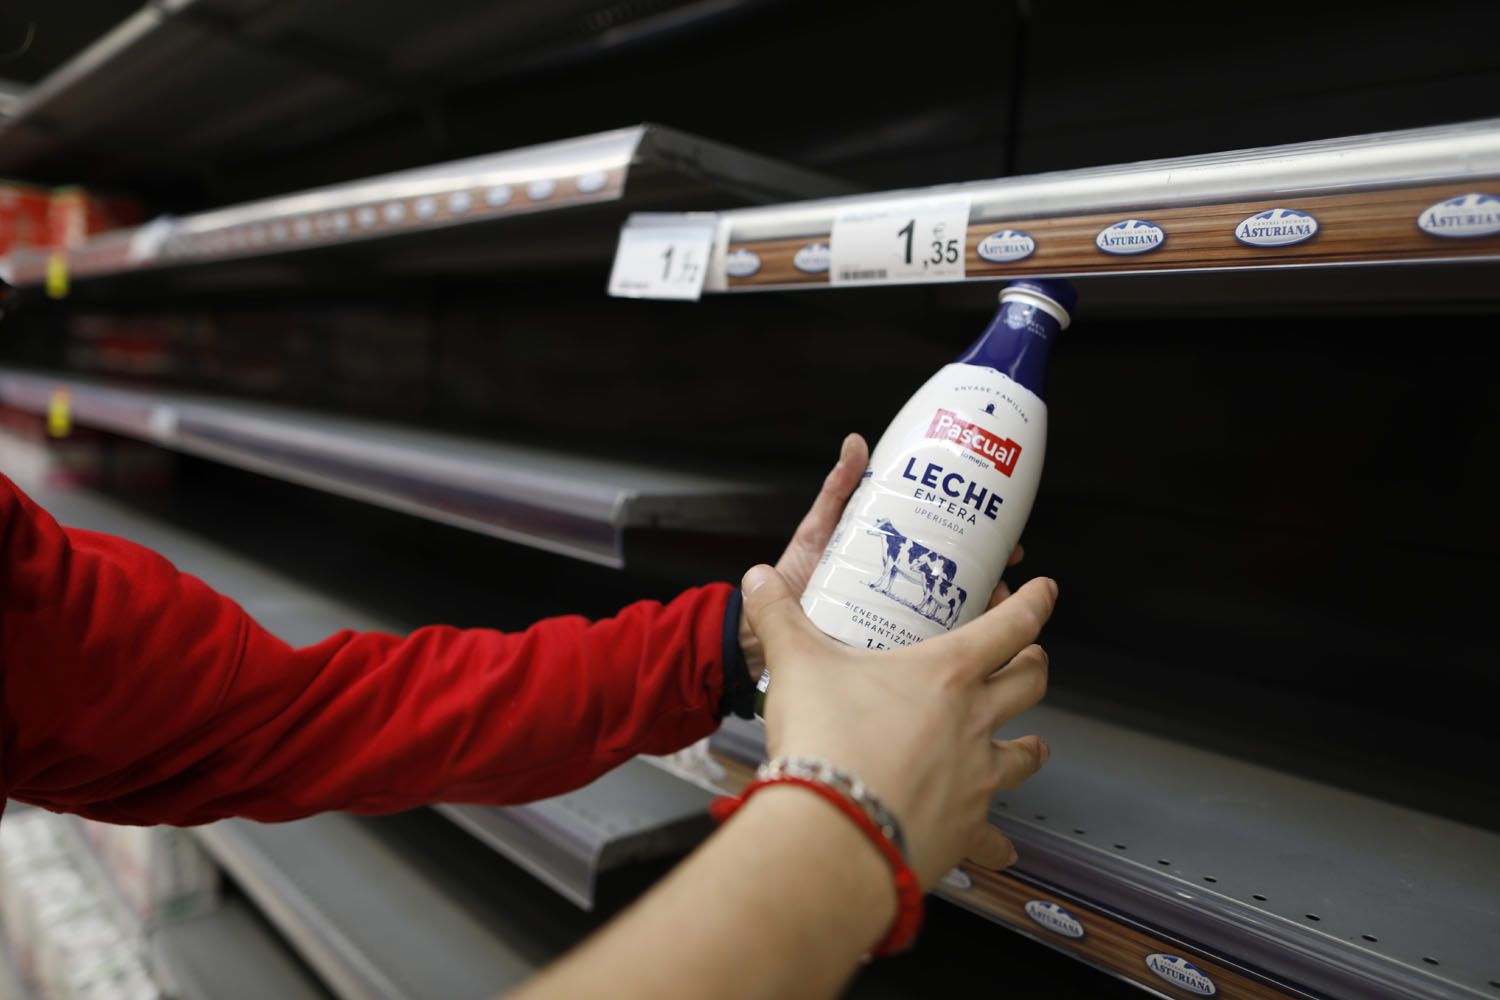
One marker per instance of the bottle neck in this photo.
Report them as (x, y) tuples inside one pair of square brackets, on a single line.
[(1017, 343)]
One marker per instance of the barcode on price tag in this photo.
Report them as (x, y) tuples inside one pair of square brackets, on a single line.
[(662, 256), (894, 242)]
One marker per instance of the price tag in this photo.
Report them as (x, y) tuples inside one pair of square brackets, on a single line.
[(147, 241), (663, 256), (57, 275), (59, 413), (893, 242)]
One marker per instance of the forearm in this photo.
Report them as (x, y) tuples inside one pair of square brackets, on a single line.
[(135, 693), (783, 901)]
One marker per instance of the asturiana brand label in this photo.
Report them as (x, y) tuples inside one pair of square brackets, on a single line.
[(1130, 236), (1276, 227), (1054, 918), (814, 258), (958, 879), (592, 181), (1005, 246), (1473, 214), (1181, 973), (741, 263)]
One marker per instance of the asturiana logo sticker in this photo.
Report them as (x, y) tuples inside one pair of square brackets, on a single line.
[(1054, 918), (1473, 214), (1130, 236), (741, 263), (1006, 245), (1181, 973), (1276, 227), (814, 258)]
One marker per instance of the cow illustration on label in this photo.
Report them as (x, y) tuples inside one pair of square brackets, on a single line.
[(937, 597)]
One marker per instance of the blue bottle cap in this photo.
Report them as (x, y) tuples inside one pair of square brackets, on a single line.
[(1053, 289)]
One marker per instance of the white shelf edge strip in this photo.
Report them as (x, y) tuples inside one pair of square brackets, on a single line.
[(1425, 155)]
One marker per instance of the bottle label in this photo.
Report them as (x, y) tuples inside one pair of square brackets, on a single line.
[(926, 536)]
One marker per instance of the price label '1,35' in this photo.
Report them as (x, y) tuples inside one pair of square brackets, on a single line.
[(915, 239), (662, 256)]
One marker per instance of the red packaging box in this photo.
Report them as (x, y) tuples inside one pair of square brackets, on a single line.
[(24, 214), (76, 214)]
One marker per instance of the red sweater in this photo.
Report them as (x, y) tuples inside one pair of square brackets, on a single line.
[(134, 693)]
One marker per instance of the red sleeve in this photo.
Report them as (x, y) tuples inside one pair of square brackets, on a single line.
[(135, 693)]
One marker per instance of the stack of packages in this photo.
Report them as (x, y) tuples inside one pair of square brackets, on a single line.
[(160, 870), (46, 219), (69, 937)]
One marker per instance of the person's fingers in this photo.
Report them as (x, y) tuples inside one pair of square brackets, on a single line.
[(991, 848), (1016, 555), (1017, 687), (984, 644), (1019, 759), (838, 485), (1000, 593), (773, 611)]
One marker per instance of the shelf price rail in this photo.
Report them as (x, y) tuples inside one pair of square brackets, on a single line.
[(639, 164), (1422, 195)]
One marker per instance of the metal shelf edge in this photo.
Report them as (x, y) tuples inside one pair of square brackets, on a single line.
[(478, 487)]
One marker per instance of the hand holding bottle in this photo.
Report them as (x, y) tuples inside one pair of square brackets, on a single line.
[(802, 553), (913, 723)]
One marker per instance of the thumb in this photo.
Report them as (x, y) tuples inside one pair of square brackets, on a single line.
[(773, 610)]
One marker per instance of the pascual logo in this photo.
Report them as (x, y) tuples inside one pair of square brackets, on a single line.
[(1276, 227), (1006, 245), (1130, 236), (1181, 973), (1472, 214), (1001, 452), (741, 263), (814, 258), (1054, 918)]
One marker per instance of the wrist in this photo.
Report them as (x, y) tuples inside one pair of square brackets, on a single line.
[(864, 814), (737, 695), (754, 654), (854, 877)]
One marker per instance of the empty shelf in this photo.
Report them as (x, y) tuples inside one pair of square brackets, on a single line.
[(439, 219), (1147, 843), (636, 812), (371, 921), (572, 505), (229, 954)]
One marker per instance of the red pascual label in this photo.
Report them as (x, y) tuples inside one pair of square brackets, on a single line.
[(1002, 452)]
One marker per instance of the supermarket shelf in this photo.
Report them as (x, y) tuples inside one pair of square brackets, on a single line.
[(575, 506), (1309, 886), (1363, 200), (634, 813), (370, 921), (229, 954), (438, 219), (185, 84)]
